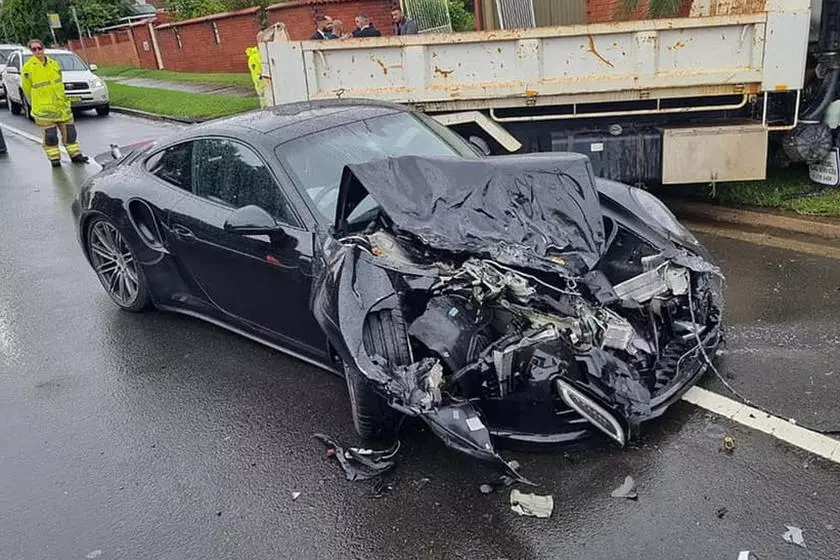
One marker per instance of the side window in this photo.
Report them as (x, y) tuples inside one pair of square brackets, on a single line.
[(230, 173), (173, 165), (16, 62)]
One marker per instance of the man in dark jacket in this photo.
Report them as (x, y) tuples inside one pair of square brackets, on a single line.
[(365, 28), (402, 24), (323, 28)]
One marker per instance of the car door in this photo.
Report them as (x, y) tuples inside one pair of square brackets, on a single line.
[(258, 282), (11, 79)]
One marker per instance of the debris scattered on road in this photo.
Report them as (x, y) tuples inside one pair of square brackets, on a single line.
[(485, 489), (721, 512), (295, 496), (715, 431), (745, 555), (419, 484), (793, 535), (626, 490), (728, 445), (382, 487), (93, 554), (531, 505), (359, 463)]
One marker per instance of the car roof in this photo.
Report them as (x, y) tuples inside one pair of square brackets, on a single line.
[(282, 123)]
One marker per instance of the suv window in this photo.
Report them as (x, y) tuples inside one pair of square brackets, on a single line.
[(173, 165), (230, 173), (14, 62)]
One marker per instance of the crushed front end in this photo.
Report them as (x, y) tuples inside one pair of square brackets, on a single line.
[(513, 341)]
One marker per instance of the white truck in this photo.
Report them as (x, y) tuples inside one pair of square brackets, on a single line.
[(683, 100)]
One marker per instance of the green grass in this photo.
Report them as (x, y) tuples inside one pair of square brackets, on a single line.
[(785, 189), (235, 80), (178, 103)]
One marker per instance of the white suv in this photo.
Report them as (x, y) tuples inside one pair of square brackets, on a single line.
[(84, 89), (5, 52)]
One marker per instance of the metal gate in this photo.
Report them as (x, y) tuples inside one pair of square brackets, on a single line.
[(432, 16), (516, 14)]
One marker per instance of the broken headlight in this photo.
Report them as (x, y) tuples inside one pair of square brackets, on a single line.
[(661, 216)]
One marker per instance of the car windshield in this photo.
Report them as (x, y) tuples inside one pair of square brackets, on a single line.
[(317, 161), (4, 55), (67, 61)]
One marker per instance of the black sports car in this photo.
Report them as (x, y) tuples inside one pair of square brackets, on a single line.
[(513, 297)]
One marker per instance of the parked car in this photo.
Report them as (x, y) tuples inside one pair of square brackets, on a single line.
[(5, 52), (84, 89), (509, 298)]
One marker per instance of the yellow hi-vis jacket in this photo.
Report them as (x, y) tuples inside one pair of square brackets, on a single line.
[(255, 66), (43, 86)]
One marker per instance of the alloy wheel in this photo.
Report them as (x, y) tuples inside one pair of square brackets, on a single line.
[(114, 263)]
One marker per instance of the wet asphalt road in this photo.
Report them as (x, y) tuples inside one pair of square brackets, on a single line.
[(160, 437)]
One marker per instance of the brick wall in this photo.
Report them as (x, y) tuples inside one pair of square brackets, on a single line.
[(145, 48), (600, 11), (299, 17), (214, 43), (114, 48)]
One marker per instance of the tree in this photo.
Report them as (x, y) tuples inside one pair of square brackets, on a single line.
[(462, 19), (186, 9), (27, 19)]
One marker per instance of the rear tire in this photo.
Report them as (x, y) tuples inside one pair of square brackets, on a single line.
[(115, 263), (384, 335), (103, 110)]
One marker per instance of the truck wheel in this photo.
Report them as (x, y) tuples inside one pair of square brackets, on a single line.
[(103, 110), (384, 335)]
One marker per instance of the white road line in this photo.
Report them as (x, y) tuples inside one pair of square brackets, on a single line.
[(29, 136), (780, 428)]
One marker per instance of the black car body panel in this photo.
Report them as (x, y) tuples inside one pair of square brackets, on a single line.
[(540, 304)]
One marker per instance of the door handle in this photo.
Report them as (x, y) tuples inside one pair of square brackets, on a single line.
[(183, 232)]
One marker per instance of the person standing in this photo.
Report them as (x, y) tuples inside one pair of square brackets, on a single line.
[(43, 85), (402, 24), (323, 28), (365, 28)]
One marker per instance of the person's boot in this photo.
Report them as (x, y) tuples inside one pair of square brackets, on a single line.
[(79, 158), (55, 162)]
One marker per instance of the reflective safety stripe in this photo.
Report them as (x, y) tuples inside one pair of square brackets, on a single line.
[(41, 84), (73, 149), (57, 80)]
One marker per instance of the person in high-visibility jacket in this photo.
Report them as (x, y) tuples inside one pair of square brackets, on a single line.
[(255, 66), (43, 85)]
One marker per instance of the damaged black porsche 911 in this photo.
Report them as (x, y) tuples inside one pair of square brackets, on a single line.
[(514, 298)]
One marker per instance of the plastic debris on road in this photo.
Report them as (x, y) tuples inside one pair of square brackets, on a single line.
[(728, 445), (793, 535), (531, 505), (626, 490), (295, 496), (359, 463), (745, 555)]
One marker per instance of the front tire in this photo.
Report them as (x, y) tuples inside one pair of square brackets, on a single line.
[(115, 264), (27, 110), (103, 110), (385, 335)]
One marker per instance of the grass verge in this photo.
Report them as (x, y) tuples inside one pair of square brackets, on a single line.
[(179, 103), (235, 80), (784, 189)]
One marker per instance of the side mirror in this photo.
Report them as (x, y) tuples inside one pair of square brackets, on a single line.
[(480, 145), (93, 67), (251, 220)]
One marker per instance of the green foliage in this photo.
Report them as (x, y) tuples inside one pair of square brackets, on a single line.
[(27, 19), (186, 9), (462, 19), (655, 8)]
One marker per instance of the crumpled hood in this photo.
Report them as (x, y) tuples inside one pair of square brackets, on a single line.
[(536, 211)]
